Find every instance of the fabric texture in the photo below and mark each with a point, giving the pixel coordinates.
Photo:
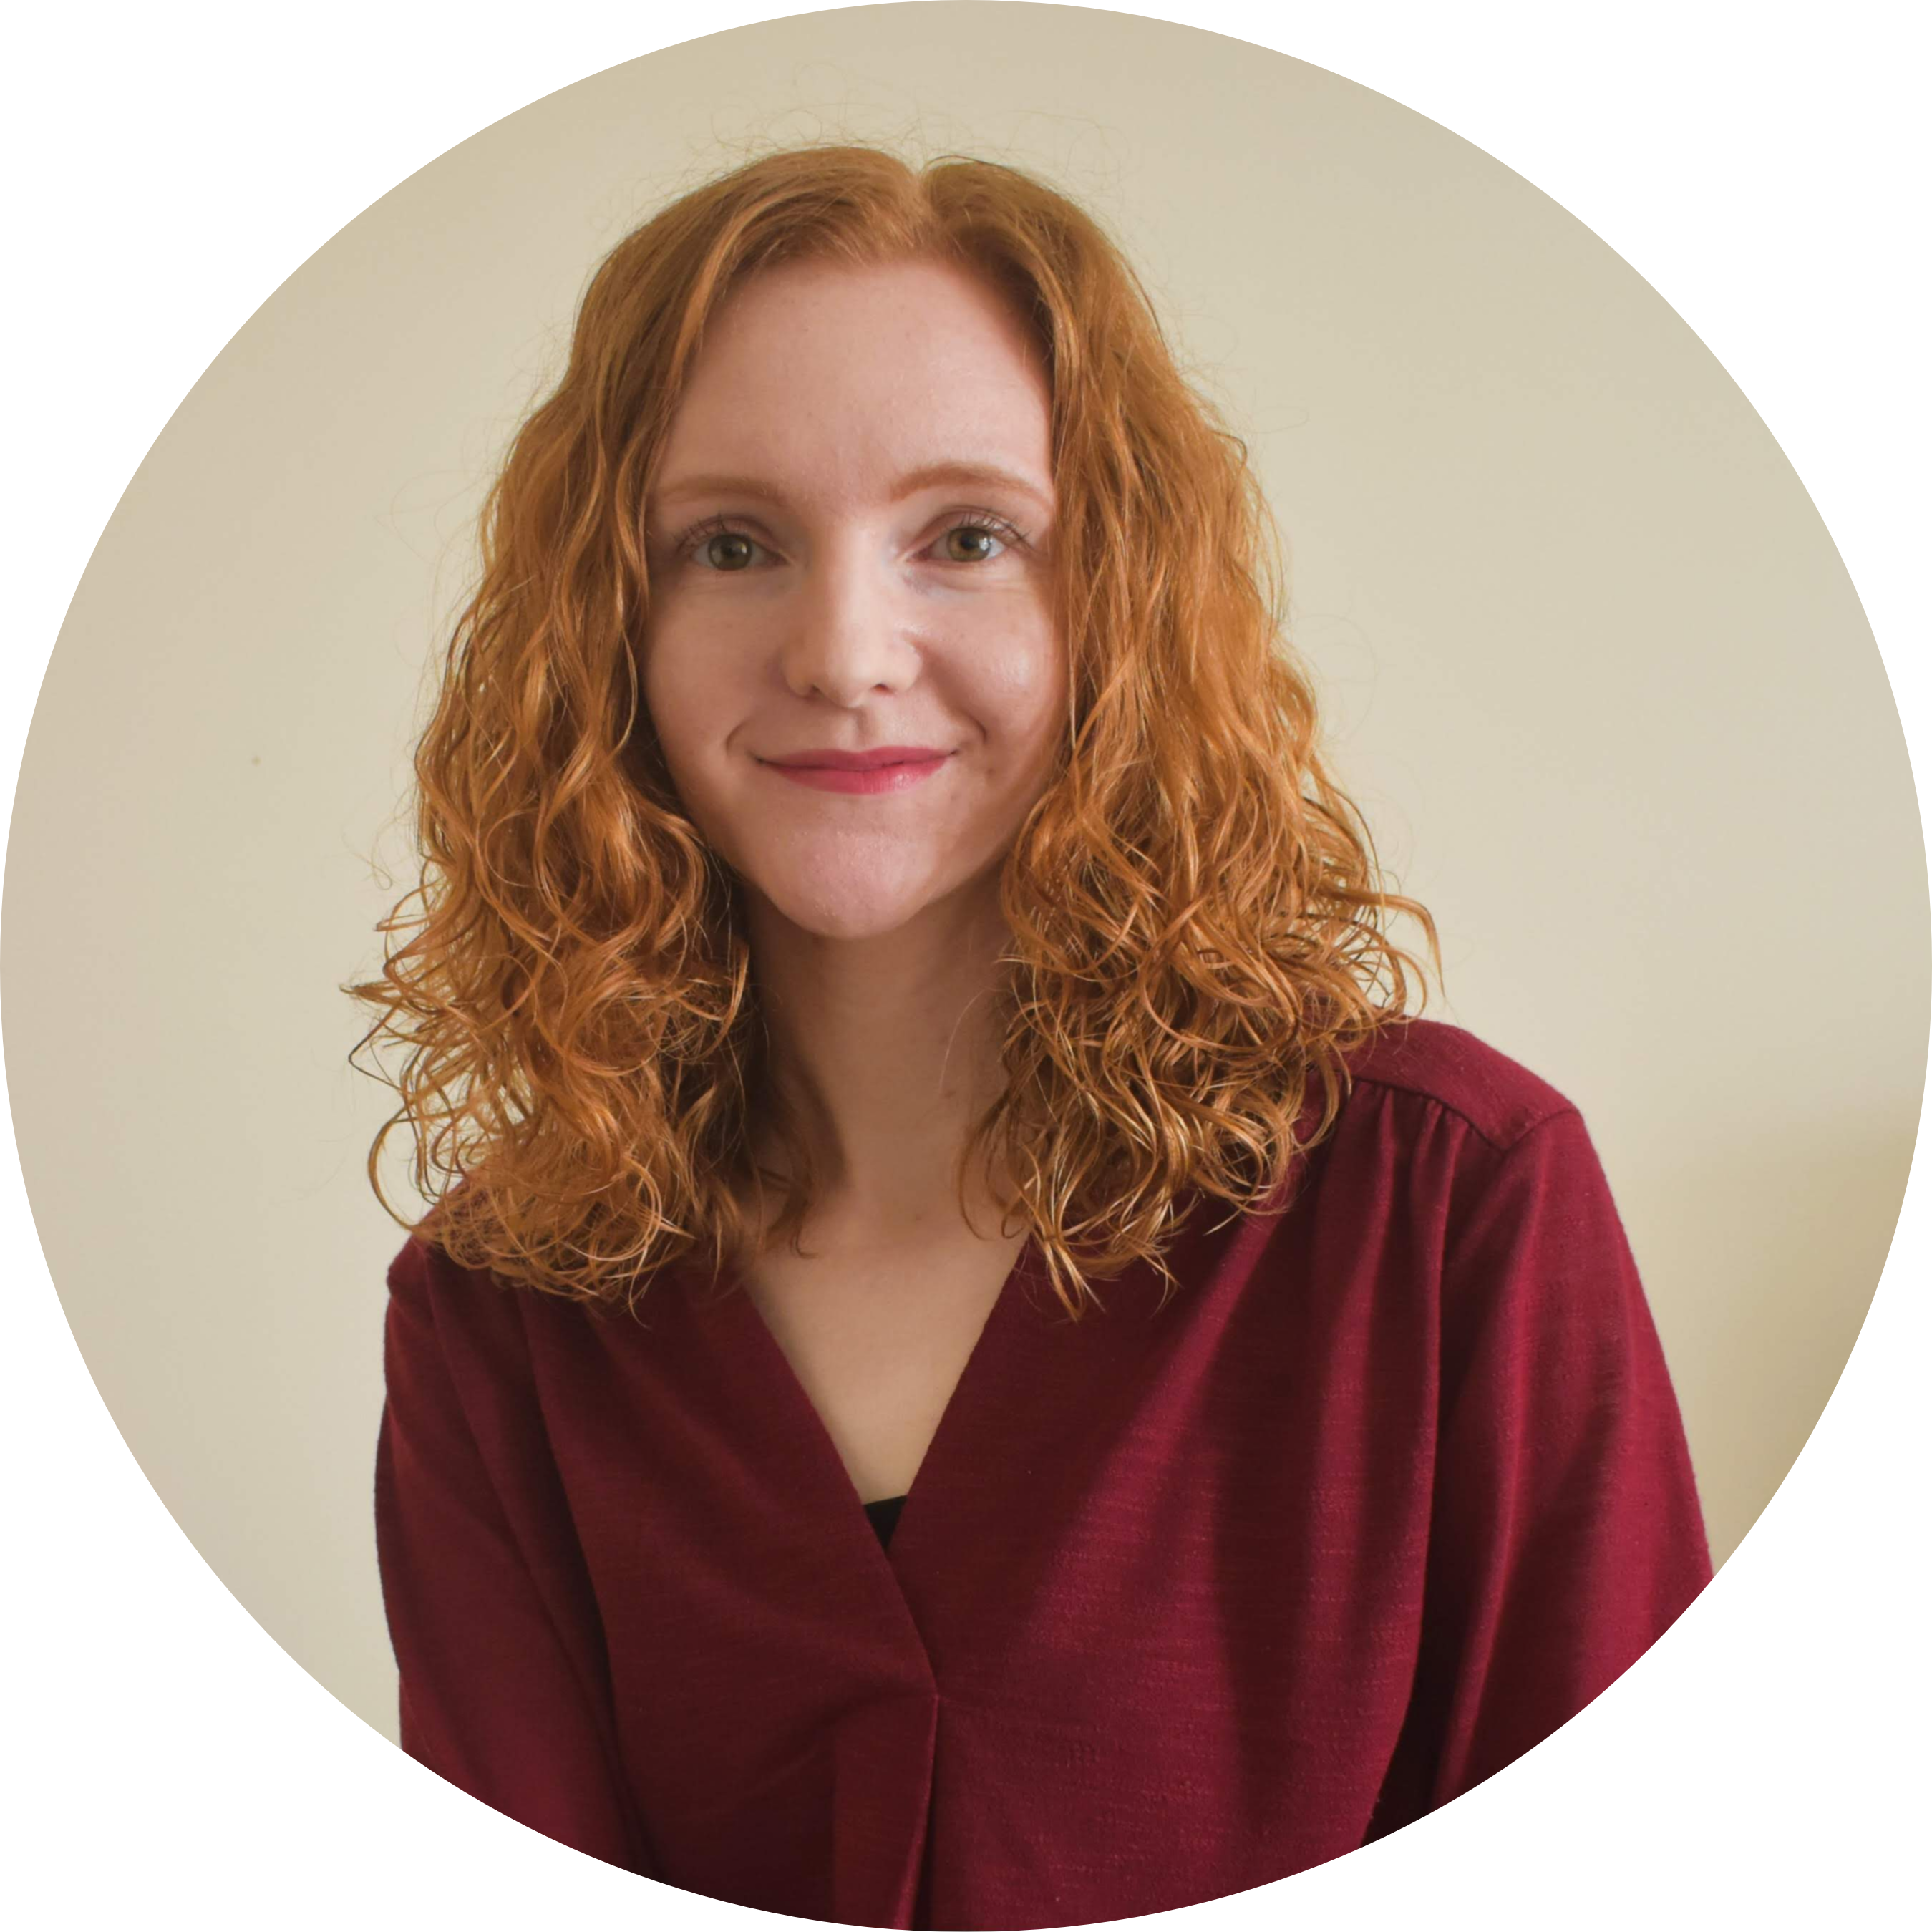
(1183, 1599)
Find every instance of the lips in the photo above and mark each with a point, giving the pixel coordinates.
(886, 763)
(873, 761)
(889, 768)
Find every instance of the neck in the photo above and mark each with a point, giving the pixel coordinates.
(887, 1048)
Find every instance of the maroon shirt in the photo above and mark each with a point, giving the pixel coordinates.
(1182, 1600)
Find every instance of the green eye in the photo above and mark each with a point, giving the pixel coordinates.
(972, 543)
(722, 526)
(728, 549)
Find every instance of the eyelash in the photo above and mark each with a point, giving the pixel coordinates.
(687, 546)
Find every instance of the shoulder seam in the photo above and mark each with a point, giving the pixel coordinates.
(1462, 1114)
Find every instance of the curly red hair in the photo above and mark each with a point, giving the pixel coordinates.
(1198, 924)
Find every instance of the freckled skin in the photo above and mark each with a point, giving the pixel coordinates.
(855, 620)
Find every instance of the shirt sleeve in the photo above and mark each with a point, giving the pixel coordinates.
(1566, 1535)
(504, 1681)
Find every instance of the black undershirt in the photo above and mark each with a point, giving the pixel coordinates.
(885, 1515)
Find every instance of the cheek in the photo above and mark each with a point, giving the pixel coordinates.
(683, 689)
(1019, 681)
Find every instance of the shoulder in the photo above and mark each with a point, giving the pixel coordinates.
(1498, 1098)
(423, 1276)
(430, 1295)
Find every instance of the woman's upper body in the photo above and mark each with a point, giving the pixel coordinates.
(877, 861)
(1184, 1599)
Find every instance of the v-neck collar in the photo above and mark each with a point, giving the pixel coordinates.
(966, 1432)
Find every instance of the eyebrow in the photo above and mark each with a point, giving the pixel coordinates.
(930, 476)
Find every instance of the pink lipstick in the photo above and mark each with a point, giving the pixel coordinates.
(888, 768)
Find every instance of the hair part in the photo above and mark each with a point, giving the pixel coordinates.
(1198, 922)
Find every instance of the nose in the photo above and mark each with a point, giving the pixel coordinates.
(846, 635)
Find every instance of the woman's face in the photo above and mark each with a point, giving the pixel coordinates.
(848, 542)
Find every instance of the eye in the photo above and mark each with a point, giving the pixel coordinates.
(694, 542)
(977, 540)
(723, 550)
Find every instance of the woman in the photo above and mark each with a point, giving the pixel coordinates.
(892, 1019)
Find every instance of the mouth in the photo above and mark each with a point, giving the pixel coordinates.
(828, 760)
(870, 779)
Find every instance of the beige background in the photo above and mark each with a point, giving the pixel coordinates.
(1591, 665)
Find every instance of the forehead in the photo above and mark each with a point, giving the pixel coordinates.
(810, 305)
(832, 372)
